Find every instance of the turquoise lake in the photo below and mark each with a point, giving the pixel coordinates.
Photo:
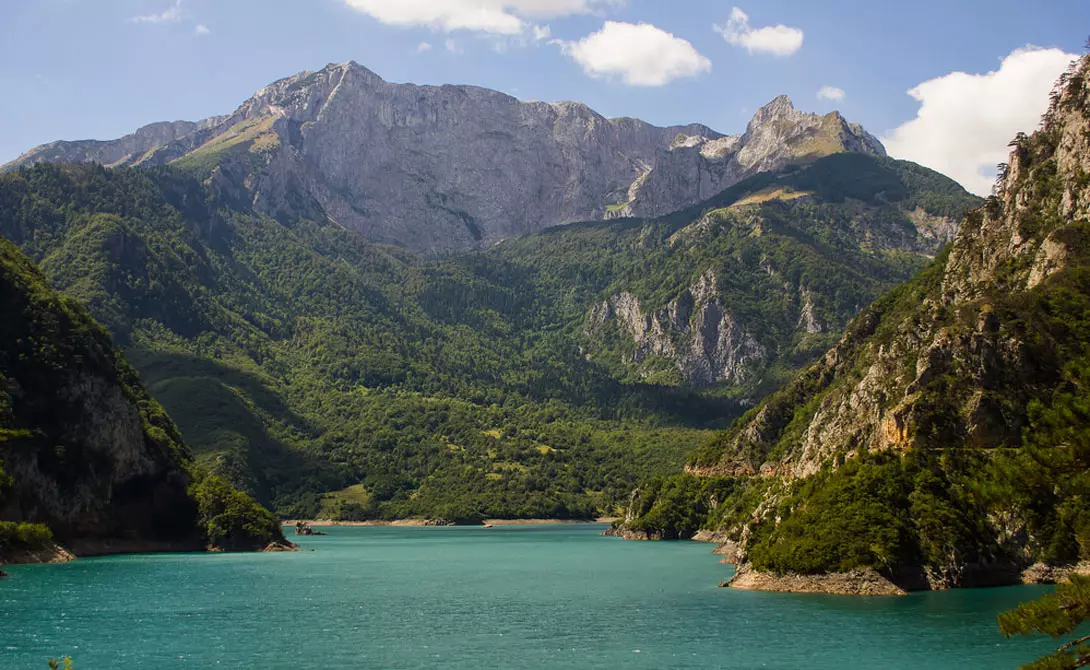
(505, 597)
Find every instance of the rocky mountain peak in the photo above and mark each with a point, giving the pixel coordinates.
(780, 108)
(448, 168)
(778, 134)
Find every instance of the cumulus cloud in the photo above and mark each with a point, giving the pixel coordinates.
(778, 40)
(172, 14)
(966, 120)
(422, 47)
(202, 29)
(640, 54)
(831, 93)
(500, 17)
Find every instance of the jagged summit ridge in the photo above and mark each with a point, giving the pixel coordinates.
(447, 168)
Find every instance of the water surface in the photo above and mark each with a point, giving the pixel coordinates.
(505, 597)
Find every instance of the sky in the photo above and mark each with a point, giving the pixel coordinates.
(945, 83)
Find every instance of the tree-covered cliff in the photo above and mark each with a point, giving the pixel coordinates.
(943, 441)
(85, 452)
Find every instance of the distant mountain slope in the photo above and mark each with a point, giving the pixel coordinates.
(448, 168)
(945, 441)
(86, 451)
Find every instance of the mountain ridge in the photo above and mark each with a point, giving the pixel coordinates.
(448, 168)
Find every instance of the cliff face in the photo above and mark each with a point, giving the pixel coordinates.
(86, 451)
(441, 168)
(701, 337)
(962, 391)
(90, 454)
(694, 168)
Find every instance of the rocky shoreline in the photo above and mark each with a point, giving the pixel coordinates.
(868, 582)
(1039, 573)
(45, 555)
(419, 523)
(89, 548)
(854, 583)
(863, 582)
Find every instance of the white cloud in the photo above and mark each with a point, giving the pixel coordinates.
(831, 93)
(778, 40)
(422, 47)
(542, 33)
(640, 54)
(202, 29)
(452, 46)
(501, 17)
(966, 120)
(172, 14)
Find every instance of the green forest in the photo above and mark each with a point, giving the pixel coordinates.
(330, 376)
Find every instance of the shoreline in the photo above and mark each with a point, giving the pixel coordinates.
(424, 523)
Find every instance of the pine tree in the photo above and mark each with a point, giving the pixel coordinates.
(1056, 615)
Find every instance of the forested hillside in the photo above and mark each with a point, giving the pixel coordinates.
(943, 440)
(86, 456)
(299, 359)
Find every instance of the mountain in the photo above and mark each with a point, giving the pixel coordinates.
(329, 375)
(943, 441)
(86, 456)
(695, 168)
(449, 168)
(759, 279)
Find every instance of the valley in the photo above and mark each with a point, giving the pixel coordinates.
(479, 341)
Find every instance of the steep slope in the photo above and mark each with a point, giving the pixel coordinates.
(743, 289)
(943, 441)
(447, 168)
(695, 168)
(86, 452)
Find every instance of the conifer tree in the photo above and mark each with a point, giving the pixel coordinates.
(1056, 614)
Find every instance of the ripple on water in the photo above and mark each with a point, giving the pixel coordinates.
(512, 597)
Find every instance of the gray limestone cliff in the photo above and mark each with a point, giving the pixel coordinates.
(694, 168)
(766, 274)
(447, 168)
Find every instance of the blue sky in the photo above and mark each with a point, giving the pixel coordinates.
(80, 69)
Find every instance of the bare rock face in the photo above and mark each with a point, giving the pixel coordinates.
(703, 339)
(447, 168)
(877, 384)
(85, 450)
(692, 169)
